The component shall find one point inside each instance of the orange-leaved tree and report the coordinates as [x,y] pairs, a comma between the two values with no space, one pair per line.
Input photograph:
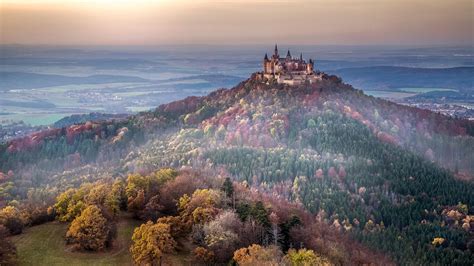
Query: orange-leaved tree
[150,242]
[258,255]
[90,230]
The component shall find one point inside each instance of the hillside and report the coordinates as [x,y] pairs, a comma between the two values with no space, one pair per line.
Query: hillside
[360,167]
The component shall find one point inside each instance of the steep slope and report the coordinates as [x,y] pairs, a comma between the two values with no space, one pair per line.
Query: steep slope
[362,165]
[438,138]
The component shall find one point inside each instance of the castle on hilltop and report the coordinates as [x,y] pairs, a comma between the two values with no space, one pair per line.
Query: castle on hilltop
[288,70]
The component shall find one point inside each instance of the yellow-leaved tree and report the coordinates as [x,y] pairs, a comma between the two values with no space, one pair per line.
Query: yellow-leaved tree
[11,218]
[90,230]
[150,242]
[304,257]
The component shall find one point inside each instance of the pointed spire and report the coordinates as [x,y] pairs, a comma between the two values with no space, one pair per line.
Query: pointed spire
[288,54]
[266,57]
[301,57]
[276,49]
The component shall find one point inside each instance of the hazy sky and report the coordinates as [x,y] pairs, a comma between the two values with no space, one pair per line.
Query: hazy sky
[163,22]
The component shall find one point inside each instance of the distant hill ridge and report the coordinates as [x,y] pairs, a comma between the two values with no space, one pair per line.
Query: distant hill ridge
[393,77]
[22,80]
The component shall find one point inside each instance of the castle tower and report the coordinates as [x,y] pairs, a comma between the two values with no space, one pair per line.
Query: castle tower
[266,65]
[276,55]
[301,57]
[288,55]
[310,67]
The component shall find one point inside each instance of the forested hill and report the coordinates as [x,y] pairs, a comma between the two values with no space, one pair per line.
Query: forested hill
[384,174]
[427,133]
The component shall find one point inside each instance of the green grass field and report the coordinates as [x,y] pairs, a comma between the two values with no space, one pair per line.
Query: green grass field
[44,245]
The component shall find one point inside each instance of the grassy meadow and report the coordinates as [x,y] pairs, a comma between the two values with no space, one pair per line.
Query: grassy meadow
[44,245]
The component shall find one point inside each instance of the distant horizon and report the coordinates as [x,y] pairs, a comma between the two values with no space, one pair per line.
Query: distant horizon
[243,45]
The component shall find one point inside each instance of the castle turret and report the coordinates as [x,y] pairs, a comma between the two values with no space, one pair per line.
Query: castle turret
[276,55]
[310,66]
[266,65]
[288,55]
[301,57]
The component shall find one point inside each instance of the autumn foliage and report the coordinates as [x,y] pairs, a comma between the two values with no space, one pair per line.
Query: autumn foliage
[150,242]
[90,230]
